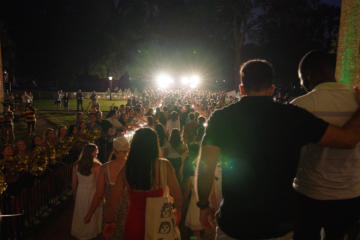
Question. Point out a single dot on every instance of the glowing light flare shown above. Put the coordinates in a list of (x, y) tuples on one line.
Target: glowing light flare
[(195, 79), (164, 81), (185, 80), (193, 85)]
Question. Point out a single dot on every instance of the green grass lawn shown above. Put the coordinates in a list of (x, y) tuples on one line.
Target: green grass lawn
[(60, 118), (48, 104)]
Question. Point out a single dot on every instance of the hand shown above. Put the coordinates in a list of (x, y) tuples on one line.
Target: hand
[(204, 218), (87, 218), (108, 230), (177, 215)]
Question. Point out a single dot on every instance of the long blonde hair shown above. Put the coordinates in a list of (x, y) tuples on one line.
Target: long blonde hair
[(86, 160)]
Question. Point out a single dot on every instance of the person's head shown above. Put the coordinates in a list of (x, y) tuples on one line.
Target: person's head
[(92, 117), (149, 112), (202, 120), (131, 112), (73, 130), (256, 78), (24, 93), (122, 108), (79, 91), (150, 121), (79, 116), (162, 118), (61, 132), (20, 146), (30, 93), (140, 164), (87, 159), (111, 114), (192, 116), (6, 107), (66, 94), (175, 138), (165, 109), (6, 151), (11, 94), (123, 116), (129, 101), (173, 116), (316, 67), (121, 147), (49, 134), (188, 106), (161, 134), (36, 142), (82, 125), (99, 115)]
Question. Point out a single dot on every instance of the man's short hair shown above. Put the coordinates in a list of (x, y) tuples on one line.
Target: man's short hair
[(317, 60), (92, 114), (256, 75), (122, 105), (191, 116)]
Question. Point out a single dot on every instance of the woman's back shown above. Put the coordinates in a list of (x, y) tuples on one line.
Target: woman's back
[(135, 222)]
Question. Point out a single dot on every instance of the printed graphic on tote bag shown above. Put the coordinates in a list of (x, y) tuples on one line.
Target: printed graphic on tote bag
[(166, 210), (165, 228)]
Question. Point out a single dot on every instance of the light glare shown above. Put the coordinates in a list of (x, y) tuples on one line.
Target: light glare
[(185, 80)]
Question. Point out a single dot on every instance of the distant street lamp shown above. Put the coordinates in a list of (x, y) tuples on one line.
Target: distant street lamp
[(110, 79)]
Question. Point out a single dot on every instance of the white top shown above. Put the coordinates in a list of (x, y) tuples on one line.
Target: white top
[(170, 125), (172, 152), (115, 123), (325, 173), (162, 148)]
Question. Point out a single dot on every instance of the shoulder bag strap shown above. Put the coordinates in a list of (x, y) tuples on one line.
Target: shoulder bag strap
[(164, 178)]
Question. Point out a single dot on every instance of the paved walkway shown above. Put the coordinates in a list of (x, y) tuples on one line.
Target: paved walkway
[(61, 228)]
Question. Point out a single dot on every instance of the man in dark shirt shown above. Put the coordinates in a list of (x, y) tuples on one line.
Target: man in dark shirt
[(79, 100), (259, 142)]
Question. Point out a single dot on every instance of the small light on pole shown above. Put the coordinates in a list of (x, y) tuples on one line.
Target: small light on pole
[(110, 79)]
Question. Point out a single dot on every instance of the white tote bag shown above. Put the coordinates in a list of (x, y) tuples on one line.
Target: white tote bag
[(159, 216)]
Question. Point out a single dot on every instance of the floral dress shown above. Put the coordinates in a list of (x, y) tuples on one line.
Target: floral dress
[(121, 210)]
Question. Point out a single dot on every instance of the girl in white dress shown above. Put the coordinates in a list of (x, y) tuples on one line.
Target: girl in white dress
[(84, 179), (193, 214)]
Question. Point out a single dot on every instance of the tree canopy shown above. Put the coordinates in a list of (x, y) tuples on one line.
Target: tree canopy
[(58, 41)]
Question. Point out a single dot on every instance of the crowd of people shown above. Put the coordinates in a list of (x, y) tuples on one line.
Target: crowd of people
[(268, 170)]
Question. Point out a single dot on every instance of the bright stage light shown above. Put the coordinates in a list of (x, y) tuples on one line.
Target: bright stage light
[(195, 80), (164, 81), (193, 85), (185, 80)]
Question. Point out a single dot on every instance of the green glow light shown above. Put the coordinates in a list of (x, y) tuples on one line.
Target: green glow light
[(348, 62), (194, 52), (139, 51)]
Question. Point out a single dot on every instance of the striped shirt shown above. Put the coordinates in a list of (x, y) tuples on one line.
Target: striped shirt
[(325, 173), (8, 118), (30, 114)]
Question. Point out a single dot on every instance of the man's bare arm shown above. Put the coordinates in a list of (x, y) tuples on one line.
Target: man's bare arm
[(205, 172), (347, 136)]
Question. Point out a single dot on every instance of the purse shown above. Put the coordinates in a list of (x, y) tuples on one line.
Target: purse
[(159, 216)]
